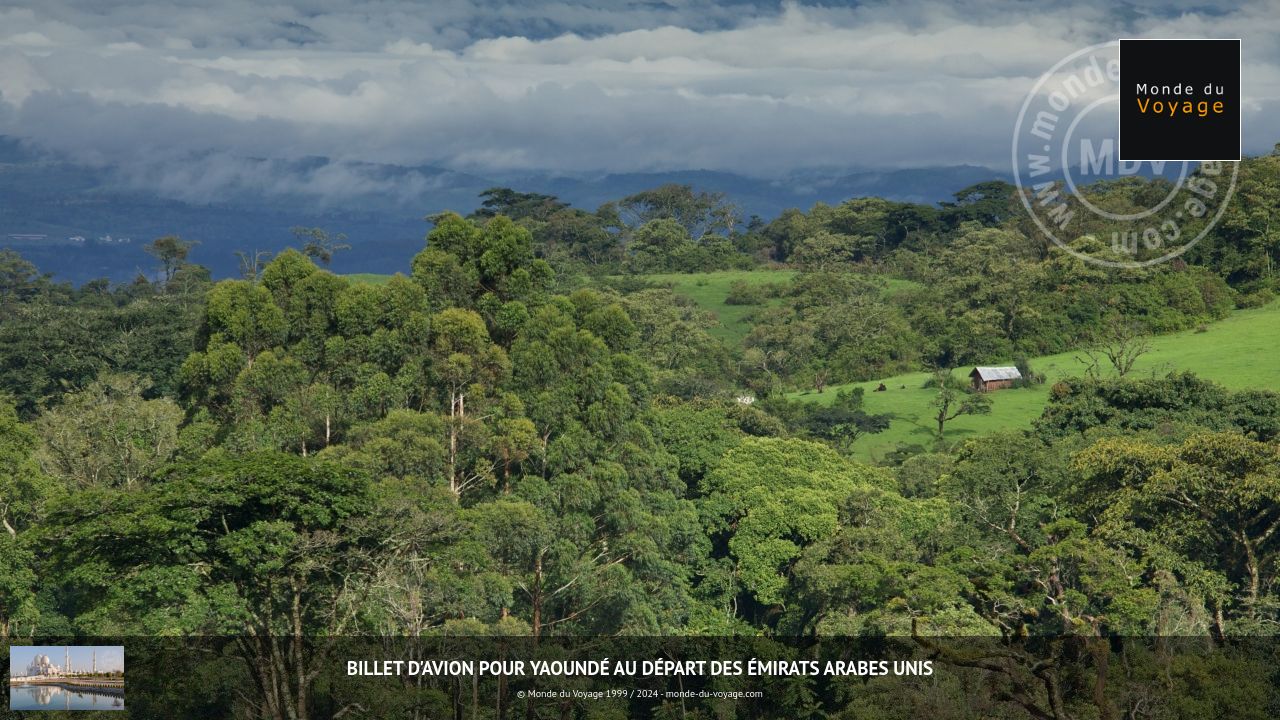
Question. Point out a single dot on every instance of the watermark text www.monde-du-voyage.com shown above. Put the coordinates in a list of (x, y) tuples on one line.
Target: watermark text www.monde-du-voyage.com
[(1173, 114)]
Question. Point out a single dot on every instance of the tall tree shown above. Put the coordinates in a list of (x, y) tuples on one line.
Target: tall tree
[(23, 488), (19, 279), (1213, 500), (171, 251), (108, 435), (954, 400), (268, 548), (467, 364), (517, 205), (698, 212), (769, 498), (318, 244)]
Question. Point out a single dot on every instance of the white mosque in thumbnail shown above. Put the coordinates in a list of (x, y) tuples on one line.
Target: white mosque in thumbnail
[(41, 665)]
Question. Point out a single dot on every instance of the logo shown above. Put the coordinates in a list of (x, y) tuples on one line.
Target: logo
[(1180, 99), (1087, 201)]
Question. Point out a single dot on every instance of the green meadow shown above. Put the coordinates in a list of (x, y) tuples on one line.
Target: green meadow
[(709, 289), (1242, 351)]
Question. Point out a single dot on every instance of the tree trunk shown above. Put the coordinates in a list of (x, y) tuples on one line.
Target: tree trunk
[(502, 696), (457, 698), (1219, 633), (1251, 567), (300, 669), (457, 413), (1100, 648), (536, 599)]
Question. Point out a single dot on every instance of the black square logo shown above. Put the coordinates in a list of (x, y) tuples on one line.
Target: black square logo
[(1179, 99)]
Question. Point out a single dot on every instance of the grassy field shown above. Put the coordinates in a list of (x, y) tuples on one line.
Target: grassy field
[(1238, 352), (709, 290)]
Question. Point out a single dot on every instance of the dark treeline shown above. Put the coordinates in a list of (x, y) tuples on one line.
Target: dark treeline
[(502, 443)]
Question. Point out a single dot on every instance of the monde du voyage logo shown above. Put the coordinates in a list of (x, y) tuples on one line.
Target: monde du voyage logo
[(1164, 110)]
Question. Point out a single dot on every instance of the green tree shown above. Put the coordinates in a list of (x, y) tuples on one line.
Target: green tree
[(318, 244), (697, 212), (18, 585), (52, 344), (1036, 575), (1179, 400), (406, 444), (108, 435), (246, 314), (1122, 342), (769, 498), (879, 574), (267, 547), (466, 363), (467, 266), (1213, 501), (23, 488), (171, 251), (19, 279), (655, 245), (844, 421), (987, 202), (24, 491), (825, 251), (673, 335), (517, 205), (1245, 245), (951, 401), (579, 235)]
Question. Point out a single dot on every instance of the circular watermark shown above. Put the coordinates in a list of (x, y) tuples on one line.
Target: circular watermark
[(1066, 138)]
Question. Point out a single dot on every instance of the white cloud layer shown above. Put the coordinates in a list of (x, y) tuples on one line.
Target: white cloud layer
[(759, 89)]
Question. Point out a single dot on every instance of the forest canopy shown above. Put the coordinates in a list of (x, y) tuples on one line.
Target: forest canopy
[(528, 434)]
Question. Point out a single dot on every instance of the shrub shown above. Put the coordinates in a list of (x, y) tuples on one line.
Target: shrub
[(743, 293), (1255, 299), (1030, 378)]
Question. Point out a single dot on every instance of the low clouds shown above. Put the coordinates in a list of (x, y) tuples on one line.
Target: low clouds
[(755, 88)]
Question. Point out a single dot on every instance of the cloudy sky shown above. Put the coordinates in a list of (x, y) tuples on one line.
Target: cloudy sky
[(760, 88)]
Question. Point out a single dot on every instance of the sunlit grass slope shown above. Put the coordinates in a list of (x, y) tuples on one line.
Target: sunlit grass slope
[(1242, 351), (710, 289)]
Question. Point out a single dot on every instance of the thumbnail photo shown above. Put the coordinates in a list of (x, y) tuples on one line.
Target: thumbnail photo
[(67, 677)]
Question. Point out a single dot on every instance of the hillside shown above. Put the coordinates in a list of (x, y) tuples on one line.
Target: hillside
[(230, 203), (710, 289), (1238, 352)]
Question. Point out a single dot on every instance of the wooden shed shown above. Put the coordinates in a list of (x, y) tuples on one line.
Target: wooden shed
[(986, 379)]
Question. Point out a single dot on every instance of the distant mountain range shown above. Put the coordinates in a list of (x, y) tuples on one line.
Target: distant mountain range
[(82, 221)]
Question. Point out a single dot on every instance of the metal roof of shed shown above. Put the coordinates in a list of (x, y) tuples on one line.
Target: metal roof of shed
[(996, 373)]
